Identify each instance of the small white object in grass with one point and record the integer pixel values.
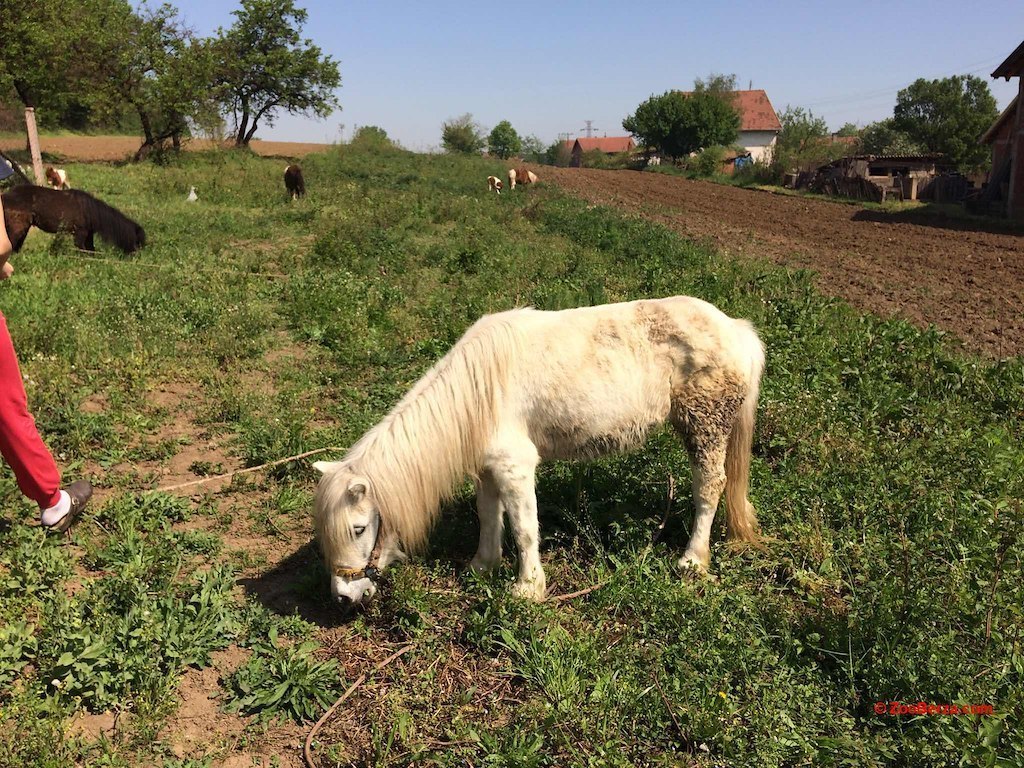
(192, 196)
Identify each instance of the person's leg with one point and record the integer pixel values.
(20, 444)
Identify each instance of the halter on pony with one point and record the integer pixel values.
(369, 571)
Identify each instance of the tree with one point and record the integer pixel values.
(848, 130)
(559, 154)
(372, 137)
(504, 142)
(882, 138)
(718, 84)
(45, 51)
(152, 63)
(533, 149)
(462, 135)
(264, 66)
(801, 130)
(948, 116)
(803, 143)
(678, 124)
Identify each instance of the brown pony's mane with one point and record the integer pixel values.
(74, 211)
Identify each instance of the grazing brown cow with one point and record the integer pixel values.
(493, 182)
(521, 175)
(293, 181)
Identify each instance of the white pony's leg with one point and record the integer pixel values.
(708, 483)
(705, 430)
(488, 509)
(513, 465)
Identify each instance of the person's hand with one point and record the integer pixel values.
(6, 270)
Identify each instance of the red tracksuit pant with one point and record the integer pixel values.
(20, 443)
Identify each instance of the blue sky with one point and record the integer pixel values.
(547, 67)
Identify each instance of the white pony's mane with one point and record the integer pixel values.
(430, 440)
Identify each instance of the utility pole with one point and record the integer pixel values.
(590, 128)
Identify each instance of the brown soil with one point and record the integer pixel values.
(113, 148)
(963, 276)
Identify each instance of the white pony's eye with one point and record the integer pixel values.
(358, 530)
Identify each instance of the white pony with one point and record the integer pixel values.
(521, 175)
(525, 385)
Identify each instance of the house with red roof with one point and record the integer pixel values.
(609, 145)
(759, 125)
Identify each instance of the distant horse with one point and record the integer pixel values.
(493, 182)
(521, 175)
(74, 211)
(524, 386)
(293, 181)
(57, 178)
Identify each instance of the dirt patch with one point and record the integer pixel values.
(116, 148)
(927, 269)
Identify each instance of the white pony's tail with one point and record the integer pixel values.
(741, 515)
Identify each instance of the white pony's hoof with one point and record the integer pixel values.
(690, 563)
(530, 590)
(479, 565)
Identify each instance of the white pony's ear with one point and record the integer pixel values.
(323, 467)
(357, 488)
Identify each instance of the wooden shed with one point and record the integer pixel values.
(1007, 139)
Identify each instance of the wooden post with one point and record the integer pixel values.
(33, 144)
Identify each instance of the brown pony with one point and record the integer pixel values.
(57, 178)
(74, 211)
(294, 182)
(521, 175)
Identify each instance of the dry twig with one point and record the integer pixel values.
(307, 748)
(247, 470)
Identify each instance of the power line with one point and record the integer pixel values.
(854, 98)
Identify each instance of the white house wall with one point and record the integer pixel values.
(758, 143)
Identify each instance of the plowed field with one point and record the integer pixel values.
(113, 148)
(949, 272)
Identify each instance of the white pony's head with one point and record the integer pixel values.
(356, 543)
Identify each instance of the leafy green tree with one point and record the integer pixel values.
(882, 138)
(801, 130)
(152, 63)
(948, 116)
(678, 124)
(462, 135)
(504, 142)
(848, 130)
(372, 137)
(723, 86)
(558, 154)
(533, 149)
(264, 67)
(44, 58)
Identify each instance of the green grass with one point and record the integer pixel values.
(888, 475)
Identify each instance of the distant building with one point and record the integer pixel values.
(759, 125)
(609, 145)
(1007, 139)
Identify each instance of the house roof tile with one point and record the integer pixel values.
(607, 144)
(756, 111)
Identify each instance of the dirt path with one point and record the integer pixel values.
(930, 270)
